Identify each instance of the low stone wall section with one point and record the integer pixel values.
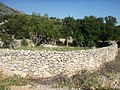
(45, 64)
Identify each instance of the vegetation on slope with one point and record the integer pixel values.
(5, 10)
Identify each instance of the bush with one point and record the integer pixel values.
(6, 44)
(24, 42)
(91, 43)
(12, 81)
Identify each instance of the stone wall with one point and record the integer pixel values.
(51, 63)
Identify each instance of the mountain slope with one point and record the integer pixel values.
(4, 10)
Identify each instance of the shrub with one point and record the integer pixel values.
(12, 81)
(24, 42)
(91, 43)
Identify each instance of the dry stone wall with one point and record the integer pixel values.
(51, 63)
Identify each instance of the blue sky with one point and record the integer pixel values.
(63, 8)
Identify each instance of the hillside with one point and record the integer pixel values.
(5, 10)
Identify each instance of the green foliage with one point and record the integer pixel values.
(12, 81)
(85, 80)
(68, 24)
(24, 42)
(91, 82)
(43, 30)
(6, 40)
(110, 20)
(91, 43)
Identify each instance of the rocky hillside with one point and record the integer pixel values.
(7, 10)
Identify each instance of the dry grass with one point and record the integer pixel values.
(30, 74)
(13, 82)
(20, 88)
(1, 74)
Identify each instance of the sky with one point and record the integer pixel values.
(64, 8)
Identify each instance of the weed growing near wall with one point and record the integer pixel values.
(12, 81)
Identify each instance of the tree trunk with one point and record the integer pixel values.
(81, 44)
(37, 41)
(66, 41)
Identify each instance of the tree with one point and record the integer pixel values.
(43, 29)
(35, 28)
(54, 31)
(21, 26)
(109, 29)
(68, 24)
(117, 35)
(5, 36)
(110, 20)
(90, 30)
(78, 38)
(16, 26)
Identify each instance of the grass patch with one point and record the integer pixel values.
(87, 81)
(12, 81)
(58, 48)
